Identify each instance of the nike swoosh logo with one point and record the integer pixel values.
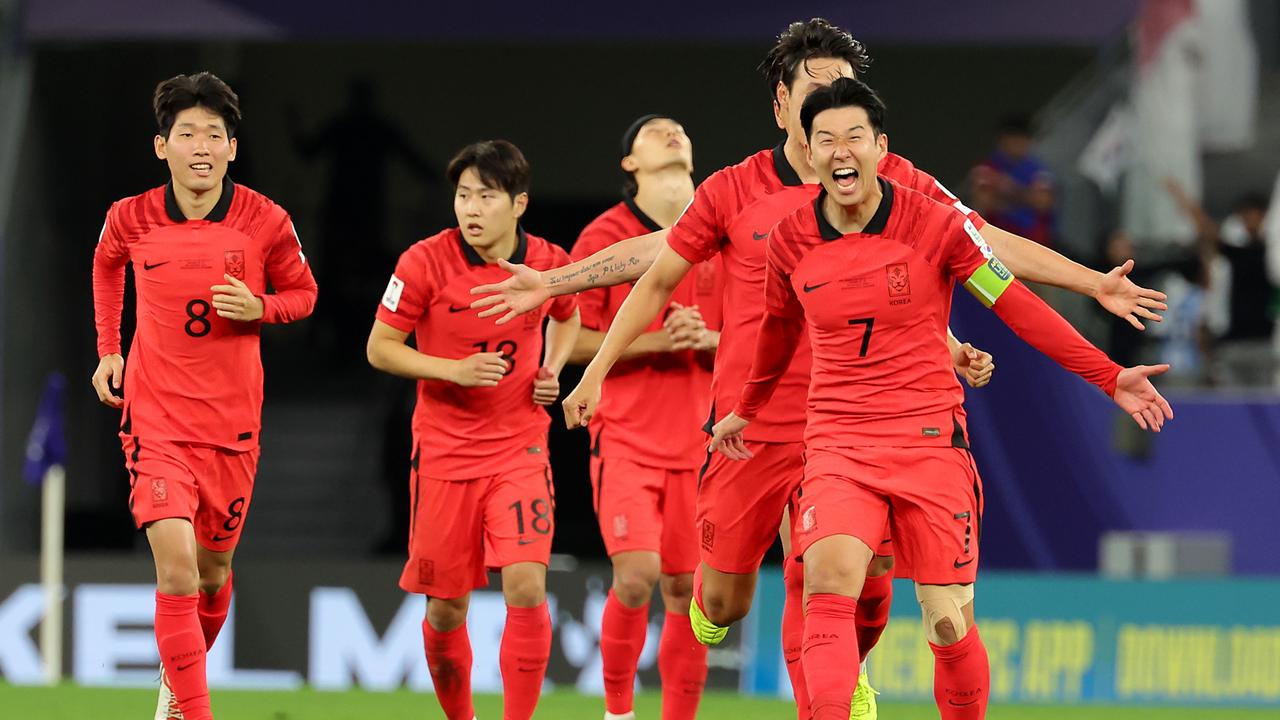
(219, 538)
(959, 564)
(759, 236)
(184, 667)
(810, 288)
(523, 541)
(151, 266)
(453, 309)
(953, 703)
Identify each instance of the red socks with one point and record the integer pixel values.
(830, 654)
(962, 678)
(212, 610)
(873, 611)
(449, 661)
(182, 651)
(682, 663)
(526, 647)
(622, 633)
(793, 632)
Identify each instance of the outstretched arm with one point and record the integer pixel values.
(642, 305)
(1114, 291)
(1045, 330)
(526, 289)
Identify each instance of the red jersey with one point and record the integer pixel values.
(731, 214)
(876, 304)
(459, 432)
(652, 407)
(190, 375)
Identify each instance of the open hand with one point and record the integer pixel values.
(518, 294)
(1137, 396)
(726, 437)
(1122, 298)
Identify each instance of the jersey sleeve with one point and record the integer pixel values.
(408, 293)
(592, 303)
(109, 259)
(702, 227)
(562, 307)
(779, 294)
(290, 276)
(970, 259)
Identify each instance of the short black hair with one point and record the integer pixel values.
(803, 41)
(844, 92)
(203, 89)
(499, 163)
(629, 185)
(1018, 124)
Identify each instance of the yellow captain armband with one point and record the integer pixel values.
(989, 281)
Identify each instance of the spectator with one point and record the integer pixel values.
(1013, 188)
(1241, 316)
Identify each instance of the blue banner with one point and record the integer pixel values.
(1074, 639)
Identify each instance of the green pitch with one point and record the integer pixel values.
(76, 703)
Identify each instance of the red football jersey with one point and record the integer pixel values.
(652, 407)
(876, 305)
(190, 375)
(731, 214)
(459, 432)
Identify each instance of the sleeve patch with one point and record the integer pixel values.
(989, 281)
(976, 237)
(391, 298)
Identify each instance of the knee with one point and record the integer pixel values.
(677, 593)
(842, 578)
(880, 566)
(633, 586)
(724, 609)
(446, 614)
(947, 611)
(176, 577)
(524, 590)
(212, 580)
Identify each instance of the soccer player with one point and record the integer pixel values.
(645, 439)
(731, 214)
(481, 492)
(868, 270)
(203, 251)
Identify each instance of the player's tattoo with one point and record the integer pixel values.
(594, 272)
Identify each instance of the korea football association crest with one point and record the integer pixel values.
(233, 264)
(899, 280)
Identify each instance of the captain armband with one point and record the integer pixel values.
(989, 281)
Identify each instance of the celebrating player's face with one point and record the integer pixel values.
(660, 144)
(197, 149)
(811, 75)
(486, 214)
(845, 152)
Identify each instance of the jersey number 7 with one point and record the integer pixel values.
(866, 333)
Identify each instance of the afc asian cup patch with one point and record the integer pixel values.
(899, 279)
(391, 297)
(233, 264)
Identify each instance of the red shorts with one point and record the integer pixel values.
(641, 507)
(210, 487)
(740, 504)
(928, 498)
(461, 528)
